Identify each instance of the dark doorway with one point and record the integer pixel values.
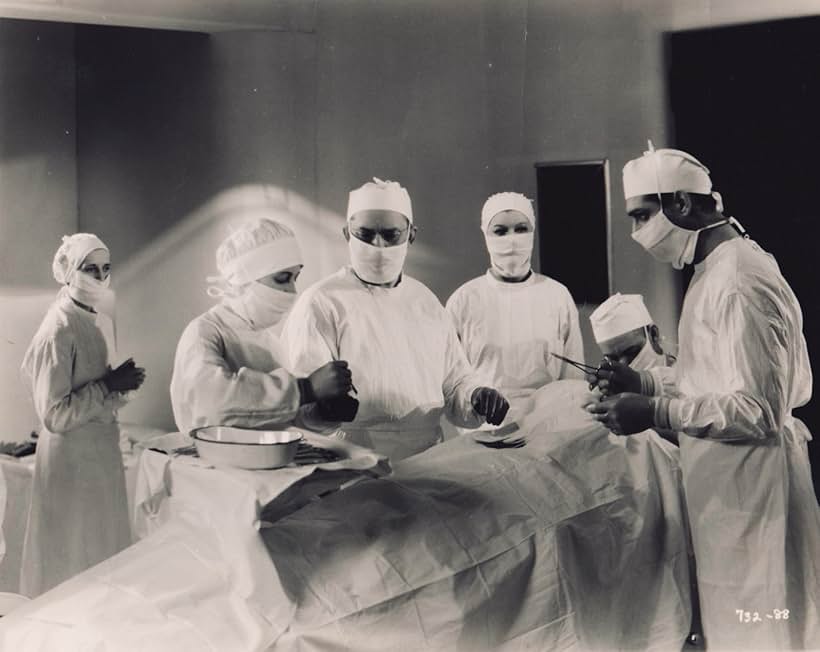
(745, 100)
(573, 201)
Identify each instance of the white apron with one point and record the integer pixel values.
(755, 539)
(754, 517)
(79, 508)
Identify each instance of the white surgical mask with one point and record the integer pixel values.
(648, 358)
(90, 292)
(377, 265)
(264, 306)
(668, 242)
(511, 254)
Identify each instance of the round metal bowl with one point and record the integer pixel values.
(246, 449)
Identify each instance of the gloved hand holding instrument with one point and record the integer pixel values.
(329, 387)
(330, 381)
(610, 377)
(622, 409)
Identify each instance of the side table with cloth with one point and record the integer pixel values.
(19, 479)
(170, 484)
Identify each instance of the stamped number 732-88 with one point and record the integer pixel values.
(757, 617)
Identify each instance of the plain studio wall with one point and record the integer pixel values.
(38, 193)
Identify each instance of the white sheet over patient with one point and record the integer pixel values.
(576, 541)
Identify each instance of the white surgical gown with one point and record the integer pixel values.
(742, 368)
(510, 331)
(227, 373)
(403, 351)
(79, 510)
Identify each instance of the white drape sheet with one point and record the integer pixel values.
(576, 541)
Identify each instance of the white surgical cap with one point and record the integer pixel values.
(506, 201)
(665, 171)
(380, 195)
(72, 253)
(256, 249)
(617, 315)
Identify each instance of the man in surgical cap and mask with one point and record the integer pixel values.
(511, 319)
(394, 332)
(229, 367)
(742, 368)
(625, 332)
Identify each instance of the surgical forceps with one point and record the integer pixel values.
(586, 368)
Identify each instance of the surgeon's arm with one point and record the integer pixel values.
(309, 336)
(754, 361)
(573, 343)
(60, 407)
(460, 381)
(455, 309)
(213, 393)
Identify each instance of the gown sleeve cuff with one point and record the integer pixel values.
(306, 394)
(662, 413)
(647, 383)
(669, 413)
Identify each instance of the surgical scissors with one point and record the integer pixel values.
(586, 368)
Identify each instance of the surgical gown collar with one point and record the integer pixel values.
(717, 253)
(529, 281)
(373, 286)
(65, 300)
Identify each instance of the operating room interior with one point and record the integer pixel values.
(160, 126)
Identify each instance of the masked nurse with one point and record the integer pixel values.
(511, 319)
(79, 513)
(230, 367)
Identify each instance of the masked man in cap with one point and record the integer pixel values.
(742, 368)
(624, 331)
(393, 331)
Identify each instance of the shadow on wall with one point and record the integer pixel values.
(162, 287)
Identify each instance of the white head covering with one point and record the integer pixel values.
(72, 253)
(256, 249)
(617, 315)
(380, 195)
(664, 171)
(506, 201)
